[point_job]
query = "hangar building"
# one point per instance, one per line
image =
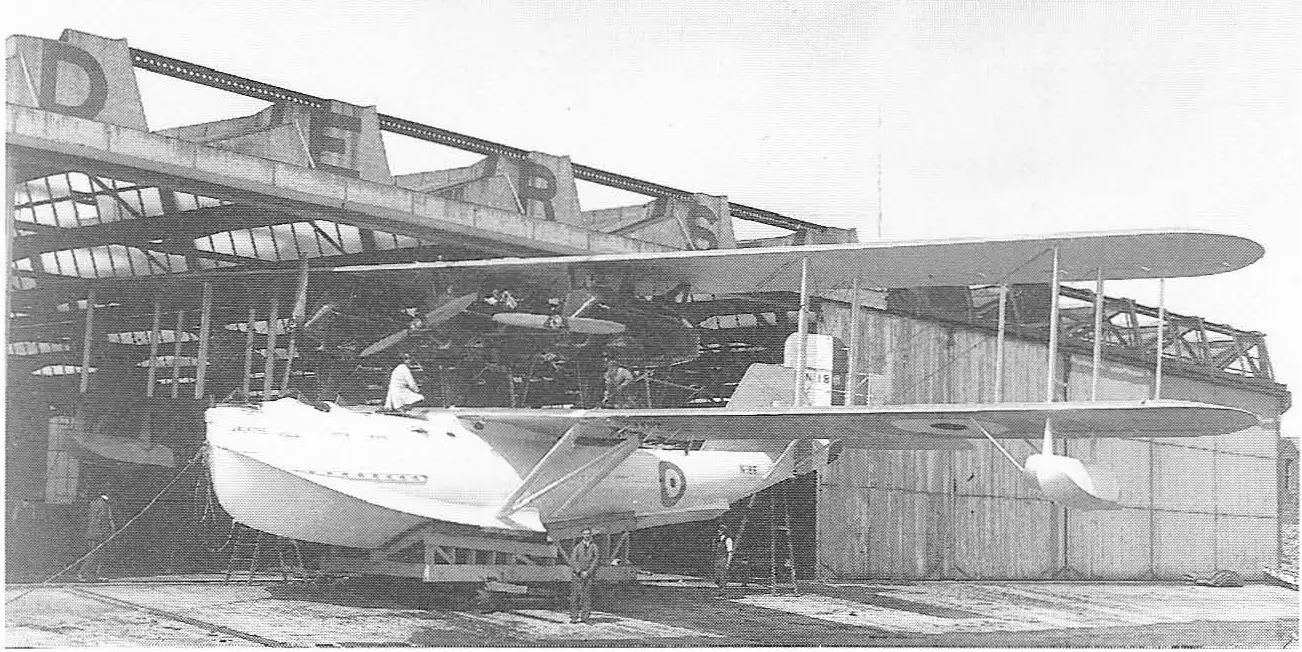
(121, 332)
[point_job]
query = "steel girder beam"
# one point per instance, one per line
(251, 88)
(181, 227)
(1194, 341)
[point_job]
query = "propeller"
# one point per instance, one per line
(580, 325)
(568, 320)
(433, 318)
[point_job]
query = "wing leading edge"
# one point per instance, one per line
(971, 261)
(894, 426)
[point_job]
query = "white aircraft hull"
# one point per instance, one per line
(359, 479)
(274, 500)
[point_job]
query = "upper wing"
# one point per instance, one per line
(894, 425)
(1116, 255)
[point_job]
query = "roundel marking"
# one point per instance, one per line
(672, 484)
(943, 426)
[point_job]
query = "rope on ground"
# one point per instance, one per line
(197, 456)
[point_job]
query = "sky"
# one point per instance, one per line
(984, 119)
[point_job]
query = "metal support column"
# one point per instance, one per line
(852, 367)
(1098, 335)
(802, 328)
(563, 446)
(1000, 337)
(611, 459)
(1051, 381)
(1161, 337)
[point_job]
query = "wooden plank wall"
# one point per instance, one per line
(934, 514)
(1208, 503)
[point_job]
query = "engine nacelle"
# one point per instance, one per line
(1067, 481)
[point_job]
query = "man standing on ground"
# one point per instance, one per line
(99, 527)
(583, 561)
(403, 390)
(722, 556)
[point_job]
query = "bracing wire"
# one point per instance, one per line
(196, 458)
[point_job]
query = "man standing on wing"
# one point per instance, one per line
(583, 560)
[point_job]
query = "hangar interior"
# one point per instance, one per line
(155, 273)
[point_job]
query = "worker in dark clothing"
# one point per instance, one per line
(99, 527)
(583, 561)
(619, 381)
(721, 554)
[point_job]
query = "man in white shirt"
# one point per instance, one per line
(403, 390)
(721, 552)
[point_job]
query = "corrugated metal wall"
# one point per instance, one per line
(1192, 505)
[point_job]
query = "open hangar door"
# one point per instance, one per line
(685, 548)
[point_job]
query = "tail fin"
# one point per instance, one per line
(763, 387)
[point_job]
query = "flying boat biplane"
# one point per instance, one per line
(362, 479)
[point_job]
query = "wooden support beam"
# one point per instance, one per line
(248, 354)
(155, 335)
(296, 317)
(205, 335)
(441, 553)
(269, 367)
(176, 353)
(87, 341)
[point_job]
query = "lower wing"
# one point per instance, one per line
(922, 425)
